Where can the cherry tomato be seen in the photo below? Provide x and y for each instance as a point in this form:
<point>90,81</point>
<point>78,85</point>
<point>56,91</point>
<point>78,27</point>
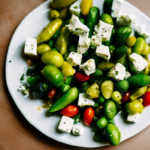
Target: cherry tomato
<point>146,99</point>
<point>70,111</point>
<point>81,77</point>
<point>126,96</point>
<point>52,93</point>
<point>88,116</point>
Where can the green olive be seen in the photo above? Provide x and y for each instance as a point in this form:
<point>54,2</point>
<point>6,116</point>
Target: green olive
<point>107,18</point>
<point>53,58</point>
<point>116,96</point>
<point>43,48</point>
<point>104,65</point>
<point>102,122</point>
<point>54,14</point>
<point>107,88</point>
<point>146,50</point>
<point>134,107</point>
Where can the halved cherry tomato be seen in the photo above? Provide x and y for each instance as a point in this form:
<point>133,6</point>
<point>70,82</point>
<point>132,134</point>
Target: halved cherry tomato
<point>146,99</point>
<point>81,77</point>
<point>52,93</point>
<point>88,116</point>
<point>126,96</point>
<point>70,111</point>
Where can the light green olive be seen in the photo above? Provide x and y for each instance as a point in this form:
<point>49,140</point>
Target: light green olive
<point>116,96</point>
<point>53,58</point>
<point>43,48</point>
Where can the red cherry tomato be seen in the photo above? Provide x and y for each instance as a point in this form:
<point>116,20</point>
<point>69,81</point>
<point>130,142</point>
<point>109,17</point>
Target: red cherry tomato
<point>70,111</point>
<point>88,116</point>
<point>146,99</point>
<point>81,77</point>
<point>52,93</point>
<point>126,96</point>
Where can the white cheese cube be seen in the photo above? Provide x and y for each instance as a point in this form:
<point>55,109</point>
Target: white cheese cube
<point>88,67</point>
<point>139,63</point>
<point>84,43</point>
<point>74,59</point>
<point>116,6</point>
<point>118,72</point>
<point>84,100</point>
<point>103,51</point>
<point>30,47</point>
<point>128,74</point>
<point>77,27</point>
<point>133,118</point>
<point>125,19</point>
<point>104,30</point>
<point>66,124</point>
<point>140,29</point>
<point>21,88</point>
<point>77,130</point>
<point>75,8</point>
<point>96,40</point>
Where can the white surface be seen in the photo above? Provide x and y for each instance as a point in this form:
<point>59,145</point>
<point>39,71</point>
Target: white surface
<point>31,27</point>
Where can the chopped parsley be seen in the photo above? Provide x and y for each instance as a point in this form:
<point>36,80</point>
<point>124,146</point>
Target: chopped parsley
<point>22,78</point>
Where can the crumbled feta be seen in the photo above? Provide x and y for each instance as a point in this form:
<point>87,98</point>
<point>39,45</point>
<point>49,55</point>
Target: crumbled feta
<point>77,27</point>
<point>118,72</point>
<point>77,130</point>
<point>74,59</point>
<point>88,67</point>
<point>125,19</point>
<point>133,118</point>
<point>128,74</point>
<point>30,47</point>
<point>23,90</point>
<point>84,43</point>
<point>140,29</point>
<point>75,8</point>
<point>116,6</point>
<point>139,63</point>
<point>66,124</point>
<point>104,30</point>
<point>84,100</point>
<point>96,40</point>
<point>103,51</point>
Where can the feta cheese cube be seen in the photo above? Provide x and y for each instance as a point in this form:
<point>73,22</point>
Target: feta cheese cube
<point>84,100</point>
<point>75,8</point>
<point>84,43</point>
<point>116,6</point>
<point>118,72</point>
<point>88,67</point>
<point>77,130</point>
<point>128,74</point>
<point>104,30</point>
<point>125,19</point>
<point>103,51</point>
<point>77,27</point>
<point>96,40</point>
<point>133,118</point>
<point>21,88</point>
<point>74,59</point>
<point>139,63</point>
<point>140,29</point>
<point>30,47</point>
<point>66,124</point>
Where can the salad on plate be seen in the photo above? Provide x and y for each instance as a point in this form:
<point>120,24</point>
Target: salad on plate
<point>89,67</point>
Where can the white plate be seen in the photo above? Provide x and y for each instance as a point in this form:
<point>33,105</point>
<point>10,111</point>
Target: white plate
<point>30,27</point>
